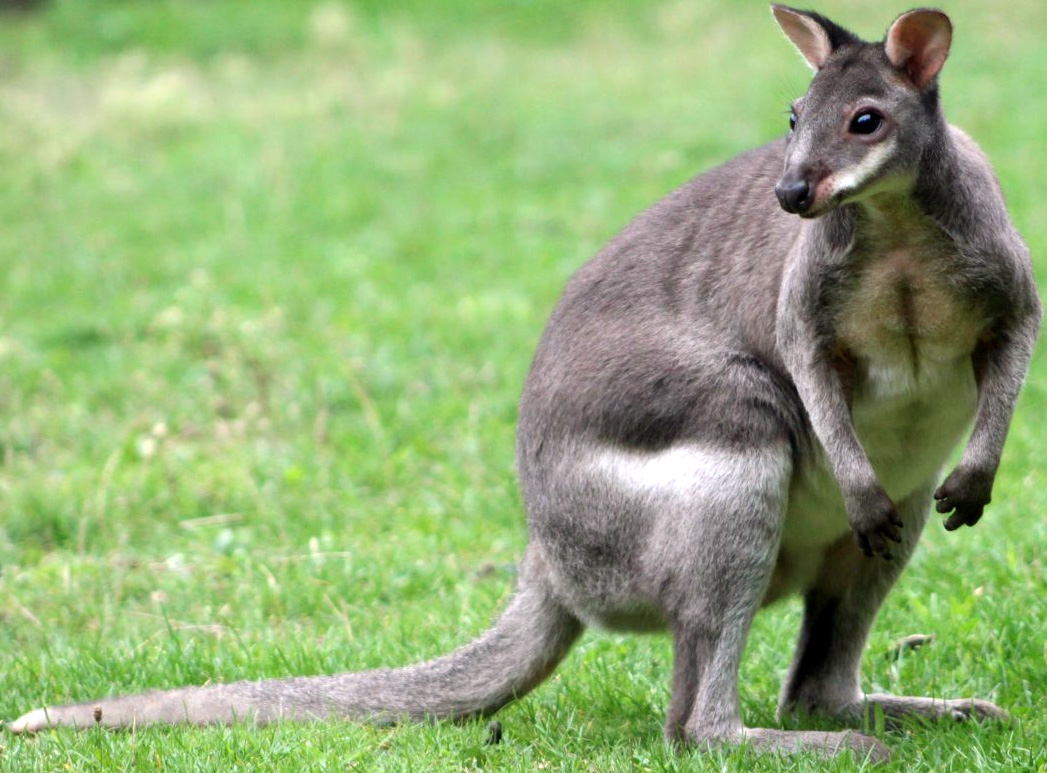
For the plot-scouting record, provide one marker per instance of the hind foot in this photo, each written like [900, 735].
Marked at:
[829, 744]
[895, 709]
[789, 742]
[901, 707]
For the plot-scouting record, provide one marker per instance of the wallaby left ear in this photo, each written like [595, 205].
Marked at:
[918, 43]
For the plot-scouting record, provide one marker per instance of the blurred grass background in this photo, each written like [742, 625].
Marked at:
[271, 275]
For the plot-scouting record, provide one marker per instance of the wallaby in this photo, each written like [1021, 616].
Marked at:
[735, 401]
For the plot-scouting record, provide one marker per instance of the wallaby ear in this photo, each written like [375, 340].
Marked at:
[806, 33]
[918, 43]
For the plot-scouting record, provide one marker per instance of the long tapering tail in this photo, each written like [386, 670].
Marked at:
[519, 651]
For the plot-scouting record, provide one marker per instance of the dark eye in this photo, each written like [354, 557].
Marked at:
[792, 121]
[866, 122]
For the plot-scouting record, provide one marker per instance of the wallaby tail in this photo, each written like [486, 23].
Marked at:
[522, 648]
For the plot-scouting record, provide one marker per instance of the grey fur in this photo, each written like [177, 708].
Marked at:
[730, 404]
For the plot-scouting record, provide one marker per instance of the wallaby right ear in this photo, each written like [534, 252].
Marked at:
[806, 33]
[918, 44]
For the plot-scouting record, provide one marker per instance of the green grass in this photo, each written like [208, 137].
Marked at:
[272, 274]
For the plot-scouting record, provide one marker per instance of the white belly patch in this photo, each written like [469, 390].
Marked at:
[908, 428]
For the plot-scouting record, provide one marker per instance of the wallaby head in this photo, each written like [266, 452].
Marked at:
[870, 114]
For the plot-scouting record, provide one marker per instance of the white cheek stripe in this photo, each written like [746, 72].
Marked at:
[850, 180]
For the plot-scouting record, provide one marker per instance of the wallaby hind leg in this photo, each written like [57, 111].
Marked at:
[825, 674]
[719, 544]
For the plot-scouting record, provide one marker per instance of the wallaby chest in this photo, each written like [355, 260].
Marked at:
[904, 335]
[908, 334]
[900, 318]
[904, 330]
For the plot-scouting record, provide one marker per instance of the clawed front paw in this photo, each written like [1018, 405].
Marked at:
[875, 522]
[965, 493]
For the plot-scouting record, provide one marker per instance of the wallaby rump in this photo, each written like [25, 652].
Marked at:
[751, 392]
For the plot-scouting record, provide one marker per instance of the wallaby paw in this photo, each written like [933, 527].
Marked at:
[875, 522]
[965, 493]
[829, 744]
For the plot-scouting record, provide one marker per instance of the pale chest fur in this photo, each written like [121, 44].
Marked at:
[902, 321]
[910, 336]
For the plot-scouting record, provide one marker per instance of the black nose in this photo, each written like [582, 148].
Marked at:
[795, 197]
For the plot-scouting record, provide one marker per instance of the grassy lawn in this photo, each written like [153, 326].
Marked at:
[271, 275]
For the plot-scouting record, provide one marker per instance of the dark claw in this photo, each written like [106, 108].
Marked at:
[863, 544]
[965, 517]
[876, 544]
